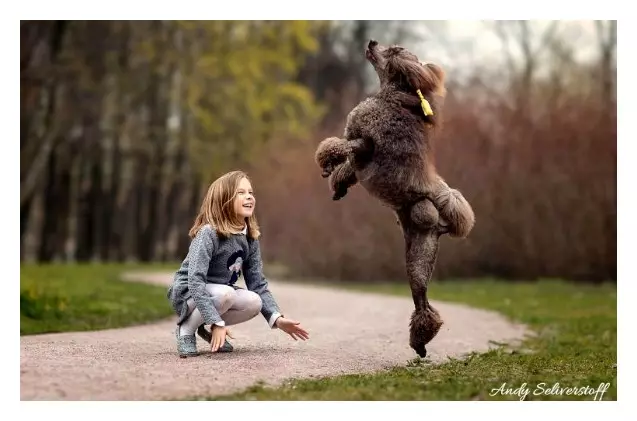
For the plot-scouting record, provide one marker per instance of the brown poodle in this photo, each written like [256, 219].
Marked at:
[387, 150]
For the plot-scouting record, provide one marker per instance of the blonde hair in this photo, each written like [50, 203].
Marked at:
[217, 208]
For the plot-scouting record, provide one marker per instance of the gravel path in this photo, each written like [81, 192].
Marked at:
[347, 335]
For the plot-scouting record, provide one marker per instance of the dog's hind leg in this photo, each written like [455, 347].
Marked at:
[342, 179]
[420, 225]
[455, 210]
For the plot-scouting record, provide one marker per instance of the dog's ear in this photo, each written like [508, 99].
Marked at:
[439, 85]
[429, 78]
[436, 70]
[412, 72]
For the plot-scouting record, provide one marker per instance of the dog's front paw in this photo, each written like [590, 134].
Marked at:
[339, 194]
[330, 153]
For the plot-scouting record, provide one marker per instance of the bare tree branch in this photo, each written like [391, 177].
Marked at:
[500, 30]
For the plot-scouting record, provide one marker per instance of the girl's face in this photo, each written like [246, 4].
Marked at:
[244, 202]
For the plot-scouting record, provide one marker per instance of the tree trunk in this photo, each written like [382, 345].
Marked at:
[33, 234]
[73, 220]
[607, 34]
[40, 136]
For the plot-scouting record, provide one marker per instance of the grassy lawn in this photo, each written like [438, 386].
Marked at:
[62, 298]
[575, 346]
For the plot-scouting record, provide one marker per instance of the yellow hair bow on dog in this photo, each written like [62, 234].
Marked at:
[426, 108]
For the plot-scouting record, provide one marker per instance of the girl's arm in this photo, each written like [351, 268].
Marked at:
[256, 282]
[200, 253]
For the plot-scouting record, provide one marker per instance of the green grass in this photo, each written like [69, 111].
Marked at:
[575, 345]
[63, 298]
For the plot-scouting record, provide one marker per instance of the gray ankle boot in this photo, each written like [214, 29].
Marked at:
[186, 345]
[206, 335]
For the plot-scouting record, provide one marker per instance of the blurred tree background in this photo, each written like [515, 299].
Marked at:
[125, 123]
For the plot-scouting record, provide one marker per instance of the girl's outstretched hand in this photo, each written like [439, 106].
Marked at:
[219, 337]
[292, 328]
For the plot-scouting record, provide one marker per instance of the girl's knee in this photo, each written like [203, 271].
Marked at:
[227, 299]
[223, 296]
[255, 303]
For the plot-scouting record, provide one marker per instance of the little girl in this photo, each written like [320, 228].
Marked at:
[225, 245]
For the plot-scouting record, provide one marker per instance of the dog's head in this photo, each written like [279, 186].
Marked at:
[400, 68]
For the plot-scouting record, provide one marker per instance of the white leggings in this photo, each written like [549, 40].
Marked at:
[234, 306]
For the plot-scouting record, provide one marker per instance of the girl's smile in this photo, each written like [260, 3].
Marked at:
[244, 201]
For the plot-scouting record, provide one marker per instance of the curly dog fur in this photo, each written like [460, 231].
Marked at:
[386, 148]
